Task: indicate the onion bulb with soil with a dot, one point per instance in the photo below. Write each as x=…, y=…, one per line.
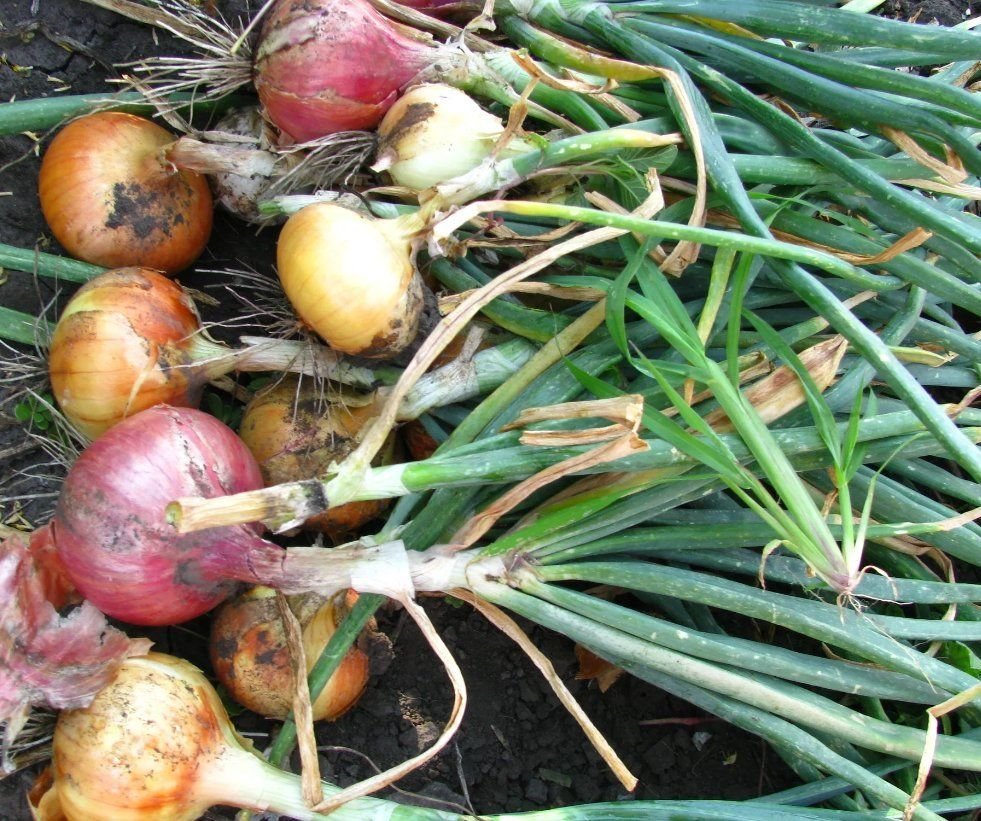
x=251, y=658
x=112, y=196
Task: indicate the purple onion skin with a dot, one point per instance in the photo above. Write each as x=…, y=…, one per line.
x=110, y=529
x=324, y=66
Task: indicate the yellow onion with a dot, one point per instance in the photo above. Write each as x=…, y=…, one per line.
x=351, y=278
x=131, y=338
x=435, y=132
x=112, y=196
x=296, y=432
x=251, y=660
x=156, y=743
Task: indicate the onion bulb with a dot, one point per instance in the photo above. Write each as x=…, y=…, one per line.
x=323, y=66
x=297, y=432
x=435, y=132
x=156, y=743
x=117, y=548
x=131, y=338
x=112, y=196
x=250, y=656
x=109, y=528
x=124, y=342
x=351, y=279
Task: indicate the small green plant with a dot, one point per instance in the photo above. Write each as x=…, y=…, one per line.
x=35, y=411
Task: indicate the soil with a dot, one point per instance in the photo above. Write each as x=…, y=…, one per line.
x=518, y=749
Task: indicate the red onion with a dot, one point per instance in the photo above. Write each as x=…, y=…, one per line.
x=324, y=66
x=109, y=524
x=116, y=546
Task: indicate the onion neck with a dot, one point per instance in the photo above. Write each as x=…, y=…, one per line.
x=220, y=158
x=213, y=359
x=243, y=779
x=386, y=568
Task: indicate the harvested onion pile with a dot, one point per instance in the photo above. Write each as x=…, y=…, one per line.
x=708, y=273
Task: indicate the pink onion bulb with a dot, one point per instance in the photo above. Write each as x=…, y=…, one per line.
x=111, y=533
x=324, y=66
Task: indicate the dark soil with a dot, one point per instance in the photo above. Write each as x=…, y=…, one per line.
x=518, y=748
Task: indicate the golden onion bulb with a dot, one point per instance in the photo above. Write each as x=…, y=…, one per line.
x=296, y=432
x=123, y=343
x=351, y=279
x=144, y=747
x=251, y=659
x=112, y=197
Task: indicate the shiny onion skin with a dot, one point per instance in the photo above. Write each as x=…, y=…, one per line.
x=435, y=132
x=111, y=534
x=295, y=433
x=155, y=743
x=251, y=659
x=350, y=278
x=324, y=66
x=124, y=328
x=111, y=197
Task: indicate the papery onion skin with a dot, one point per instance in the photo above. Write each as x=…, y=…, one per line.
x=111, y=533
x=350, y=280
x=251, y=660
x=324, y=66
x=117, y=349
x=144, y=746
x=295, y=433
x=111, y=198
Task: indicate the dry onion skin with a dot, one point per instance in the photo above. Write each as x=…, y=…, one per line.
x=295, y=432
x=111, y=196
x=124, y=343
x=251, y=659
x=350, y=278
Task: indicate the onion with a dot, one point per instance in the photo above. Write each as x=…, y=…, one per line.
x=351, y=279
x=296, y=432
x=323, y=66
x=435, y=132
x=156, y=743
x=112, y=197
x=251, y=660
x=117, y=548
x=131, y=338
x=418, y=441
x=110, y=531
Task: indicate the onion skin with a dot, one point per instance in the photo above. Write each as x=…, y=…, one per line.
x=122, y=329
x=435, y=132
x=324, y=66
x=295, y=433
x=109, y=526
x=111, y=197
x=350, y=278
x=251, y=660
x=144, y=746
